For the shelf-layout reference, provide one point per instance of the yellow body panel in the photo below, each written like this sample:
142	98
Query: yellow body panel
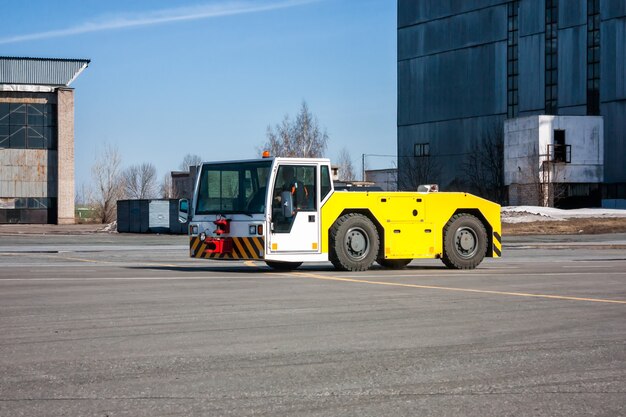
412	222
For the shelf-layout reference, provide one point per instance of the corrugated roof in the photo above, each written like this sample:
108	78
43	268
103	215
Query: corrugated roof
40	71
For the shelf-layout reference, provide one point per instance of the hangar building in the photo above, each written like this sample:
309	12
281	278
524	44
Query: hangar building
37	139
466	67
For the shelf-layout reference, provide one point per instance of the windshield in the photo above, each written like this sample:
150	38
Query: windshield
233	188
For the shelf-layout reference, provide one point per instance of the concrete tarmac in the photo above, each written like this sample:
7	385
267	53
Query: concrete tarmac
128	325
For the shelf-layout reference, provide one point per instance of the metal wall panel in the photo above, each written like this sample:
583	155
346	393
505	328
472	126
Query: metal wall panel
532	113
573	111
450	141
175	226
411	12
444	98
532	17
459	31
458	84
25	173
40	71
572	13
531	73
610	9
613	60
572	66
159	216
614	141
123	216
149	216
144	216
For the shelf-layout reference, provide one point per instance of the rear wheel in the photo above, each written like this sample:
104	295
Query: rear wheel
283	266
464	242
353	243
394	263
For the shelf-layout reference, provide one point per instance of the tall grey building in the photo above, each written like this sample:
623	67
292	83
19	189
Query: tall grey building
37	139
465	67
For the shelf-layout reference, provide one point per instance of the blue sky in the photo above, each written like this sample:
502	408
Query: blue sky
208	76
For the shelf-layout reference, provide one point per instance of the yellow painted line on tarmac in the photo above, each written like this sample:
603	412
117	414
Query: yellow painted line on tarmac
166	278
469	290
95	261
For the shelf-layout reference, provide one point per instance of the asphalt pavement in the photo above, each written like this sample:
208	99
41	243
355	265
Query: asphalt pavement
128	325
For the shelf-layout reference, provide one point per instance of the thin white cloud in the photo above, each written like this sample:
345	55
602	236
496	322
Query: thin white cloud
157	17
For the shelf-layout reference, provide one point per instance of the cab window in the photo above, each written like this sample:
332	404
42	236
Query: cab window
300	181
326	185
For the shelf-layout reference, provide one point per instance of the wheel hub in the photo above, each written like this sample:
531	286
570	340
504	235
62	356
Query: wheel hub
356	243
466	242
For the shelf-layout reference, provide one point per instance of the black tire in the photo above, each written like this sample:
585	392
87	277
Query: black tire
394	263
464	242
353	243
283	266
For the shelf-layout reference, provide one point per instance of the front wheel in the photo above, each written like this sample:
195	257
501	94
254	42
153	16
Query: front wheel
283	266
464	242
353	243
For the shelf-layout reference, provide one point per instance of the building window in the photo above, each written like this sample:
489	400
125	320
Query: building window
593	57
27	210
512	59
552	14
560	152
422	149
25	202
28	126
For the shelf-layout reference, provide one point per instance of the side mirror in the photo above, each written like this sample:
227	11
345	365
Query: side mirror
287	203
183	210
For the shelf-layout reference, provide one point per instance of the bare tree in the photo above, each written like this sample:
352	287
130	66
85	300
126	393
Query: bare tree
346	169
190	160
140	181
302	137
108	183
82	195
540	181
549	176
418	170
166	186
484	166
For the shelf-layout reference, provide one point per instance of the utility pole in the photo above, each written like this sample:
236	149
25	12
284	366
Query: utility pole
363	166
363	155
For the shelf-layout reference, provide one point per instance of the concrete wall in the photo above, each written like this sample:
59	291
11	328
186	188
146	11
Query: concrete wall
526	143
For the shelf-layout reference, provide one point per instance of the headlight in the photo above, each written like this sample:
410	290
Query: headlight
202	236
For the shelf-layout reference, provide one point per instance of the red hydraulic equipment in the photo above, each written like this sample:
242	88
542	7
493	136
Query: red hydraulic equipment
220	244
223	226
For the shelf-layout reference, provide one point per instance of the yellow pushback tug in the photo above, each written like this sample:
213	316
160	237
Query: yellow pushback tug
285	211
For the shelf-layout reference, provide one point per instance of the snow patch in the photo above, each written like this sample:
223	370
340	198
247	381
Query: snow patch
526	214
111	227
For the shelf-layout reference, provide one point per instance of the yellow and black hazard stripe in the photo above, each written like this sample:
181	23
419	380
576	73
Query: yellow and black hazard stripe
497	244
242	248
